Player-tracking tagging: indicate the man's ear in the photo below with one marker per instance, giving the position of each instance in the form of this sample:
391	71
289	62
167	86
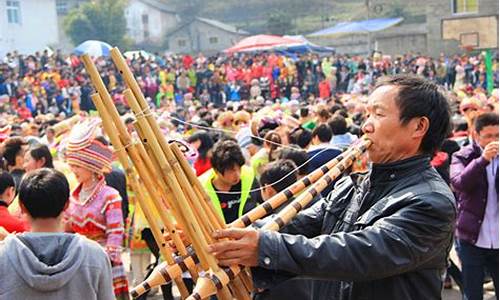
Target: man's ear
421	126
66	205
23	208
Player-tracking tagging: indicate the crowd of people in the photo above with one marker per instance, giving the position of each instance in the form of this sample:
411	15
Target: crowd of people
257	122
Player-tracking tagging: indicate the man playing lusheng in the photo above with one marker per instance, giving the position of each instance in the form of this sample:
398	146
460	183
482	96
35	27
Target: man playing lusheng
381	235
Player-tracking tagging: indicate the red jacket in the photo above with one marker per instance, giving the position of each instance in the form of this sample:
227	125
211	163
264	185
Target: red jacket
9	222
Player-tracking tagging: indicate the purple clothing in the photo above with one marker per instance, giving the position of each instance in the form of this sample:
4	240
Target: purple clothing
470	184
488	235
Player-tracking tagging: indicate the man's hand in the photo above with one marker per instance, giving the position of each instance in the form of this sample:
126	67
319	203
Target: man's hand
490	151
242	249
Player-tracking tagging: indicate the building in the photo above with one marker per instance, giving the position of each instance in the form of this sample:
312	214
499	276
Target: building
148	21
203	35
434	26
18	19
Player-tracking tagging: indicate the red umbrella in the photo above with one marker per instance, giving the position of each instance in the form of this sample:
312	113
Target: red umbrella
260	42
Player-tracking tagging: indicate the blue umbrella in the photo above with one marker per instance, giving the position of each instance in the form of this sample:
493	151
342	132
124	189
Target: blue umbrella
93	48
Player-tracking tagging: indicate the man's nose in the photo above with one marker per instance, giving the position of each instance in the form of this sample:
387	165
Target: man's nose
367	127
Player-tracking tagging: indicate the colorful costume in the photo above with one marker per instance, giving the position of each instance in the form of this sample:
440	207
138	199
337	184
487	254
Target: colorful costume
99	216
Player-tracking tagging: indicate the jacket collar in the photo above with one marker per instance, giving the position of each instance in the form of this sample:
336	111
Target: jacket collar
382	173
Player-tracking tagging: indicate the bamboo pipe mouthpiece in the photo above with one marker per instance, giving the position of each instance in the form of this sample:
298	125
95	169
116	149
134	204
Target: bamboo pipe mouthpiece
158	277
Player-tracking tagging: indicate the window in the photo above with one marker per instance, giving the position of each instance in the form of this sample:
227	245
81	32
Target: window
145	19
213	40
13	12
181	43
146	34
465	6
62	7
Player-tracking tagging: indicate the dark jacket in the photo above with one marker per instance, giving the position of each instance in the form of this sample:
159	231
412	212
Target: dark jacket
470	184
381	235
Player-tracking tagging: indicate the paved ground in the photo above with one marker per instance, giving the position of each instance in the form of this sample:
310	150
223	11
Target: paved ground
453	294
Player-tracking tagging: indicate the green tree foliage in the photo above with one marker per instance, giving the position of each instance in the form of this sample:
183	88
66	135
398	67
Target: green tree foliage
102	20
279	23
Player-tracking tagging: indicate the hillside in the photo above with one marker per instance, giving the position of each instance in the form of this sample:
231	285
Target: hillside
298	16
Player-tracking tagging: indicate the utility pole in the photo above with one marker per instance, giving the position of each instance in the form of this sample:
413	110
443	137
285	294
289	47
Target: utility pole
369	36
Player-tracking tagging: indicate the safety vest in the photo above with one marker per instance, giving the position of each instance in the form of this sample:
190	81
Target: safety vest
247	177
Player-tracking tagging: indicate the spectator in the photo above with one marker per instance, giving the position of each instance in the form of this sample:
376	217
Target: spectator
48	263
474	177
7	194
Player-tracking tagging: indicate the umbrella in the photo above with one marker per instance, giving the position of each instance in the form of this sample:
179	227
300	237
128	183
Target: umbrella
260	42
93	48
137	53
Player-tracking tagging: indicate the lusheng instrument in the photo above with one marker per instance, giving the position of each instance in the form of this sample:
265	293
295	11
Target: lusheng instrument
321	178
172	197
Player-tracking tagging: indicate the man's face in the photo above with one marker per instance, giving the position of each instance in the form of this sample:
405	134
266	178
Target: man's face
392	141
231	176
487	135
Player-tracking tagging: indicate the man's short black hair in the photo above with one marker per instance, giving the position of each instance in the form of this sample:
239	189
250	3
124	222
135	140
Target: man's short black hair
300	136
226	154
6	181
338	124
44	193
279	174
298	156
323	132
486	119
419	97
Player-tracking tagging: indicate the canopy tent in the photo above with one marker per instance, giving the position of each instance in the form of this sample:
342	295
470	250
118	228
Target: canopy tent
260	42
303	46
357	27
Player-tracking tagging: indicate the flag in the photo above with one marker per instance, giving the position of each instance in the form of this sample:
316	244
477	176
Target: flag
489	71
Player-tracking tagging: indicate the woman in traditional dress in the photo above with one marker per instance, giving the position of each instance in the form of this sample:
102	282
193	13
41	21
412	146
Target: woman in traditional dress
95	208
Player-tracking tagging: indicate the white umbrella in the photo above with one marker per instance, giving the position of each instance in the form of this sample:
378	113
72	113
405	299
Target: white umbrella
93	48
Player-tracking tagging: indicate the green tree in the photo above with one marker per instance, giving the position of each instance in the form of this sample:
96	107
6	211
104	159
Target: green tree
279	23
102	20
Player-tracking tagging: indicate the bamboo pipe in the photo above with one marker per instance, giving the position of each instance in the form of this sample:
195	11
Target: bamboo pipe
144	109
120	63
109	128
147	210
106	98
282	197
202	194
236	285
126	140
65	125
289	212
295	188
191	225
205	288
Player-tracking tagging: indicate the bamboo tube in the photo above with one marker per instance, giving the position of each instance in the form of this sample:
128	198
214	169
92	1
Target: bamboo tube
106	99
65	125
277	200
191	224
293	208
205	288
170	169
211	214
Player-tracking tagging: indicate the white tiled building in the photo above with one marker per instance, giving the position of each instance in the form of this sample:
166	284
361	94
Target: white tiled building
27	25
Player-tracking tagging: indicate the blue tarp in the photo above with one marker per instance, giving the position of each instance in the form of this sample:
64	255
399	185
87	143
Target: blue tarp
366	26
303	46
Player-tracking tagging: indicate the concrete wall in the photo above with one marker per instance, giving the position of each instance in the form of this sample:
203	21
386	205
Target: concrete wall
159	22
37	29
197	36
438	10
